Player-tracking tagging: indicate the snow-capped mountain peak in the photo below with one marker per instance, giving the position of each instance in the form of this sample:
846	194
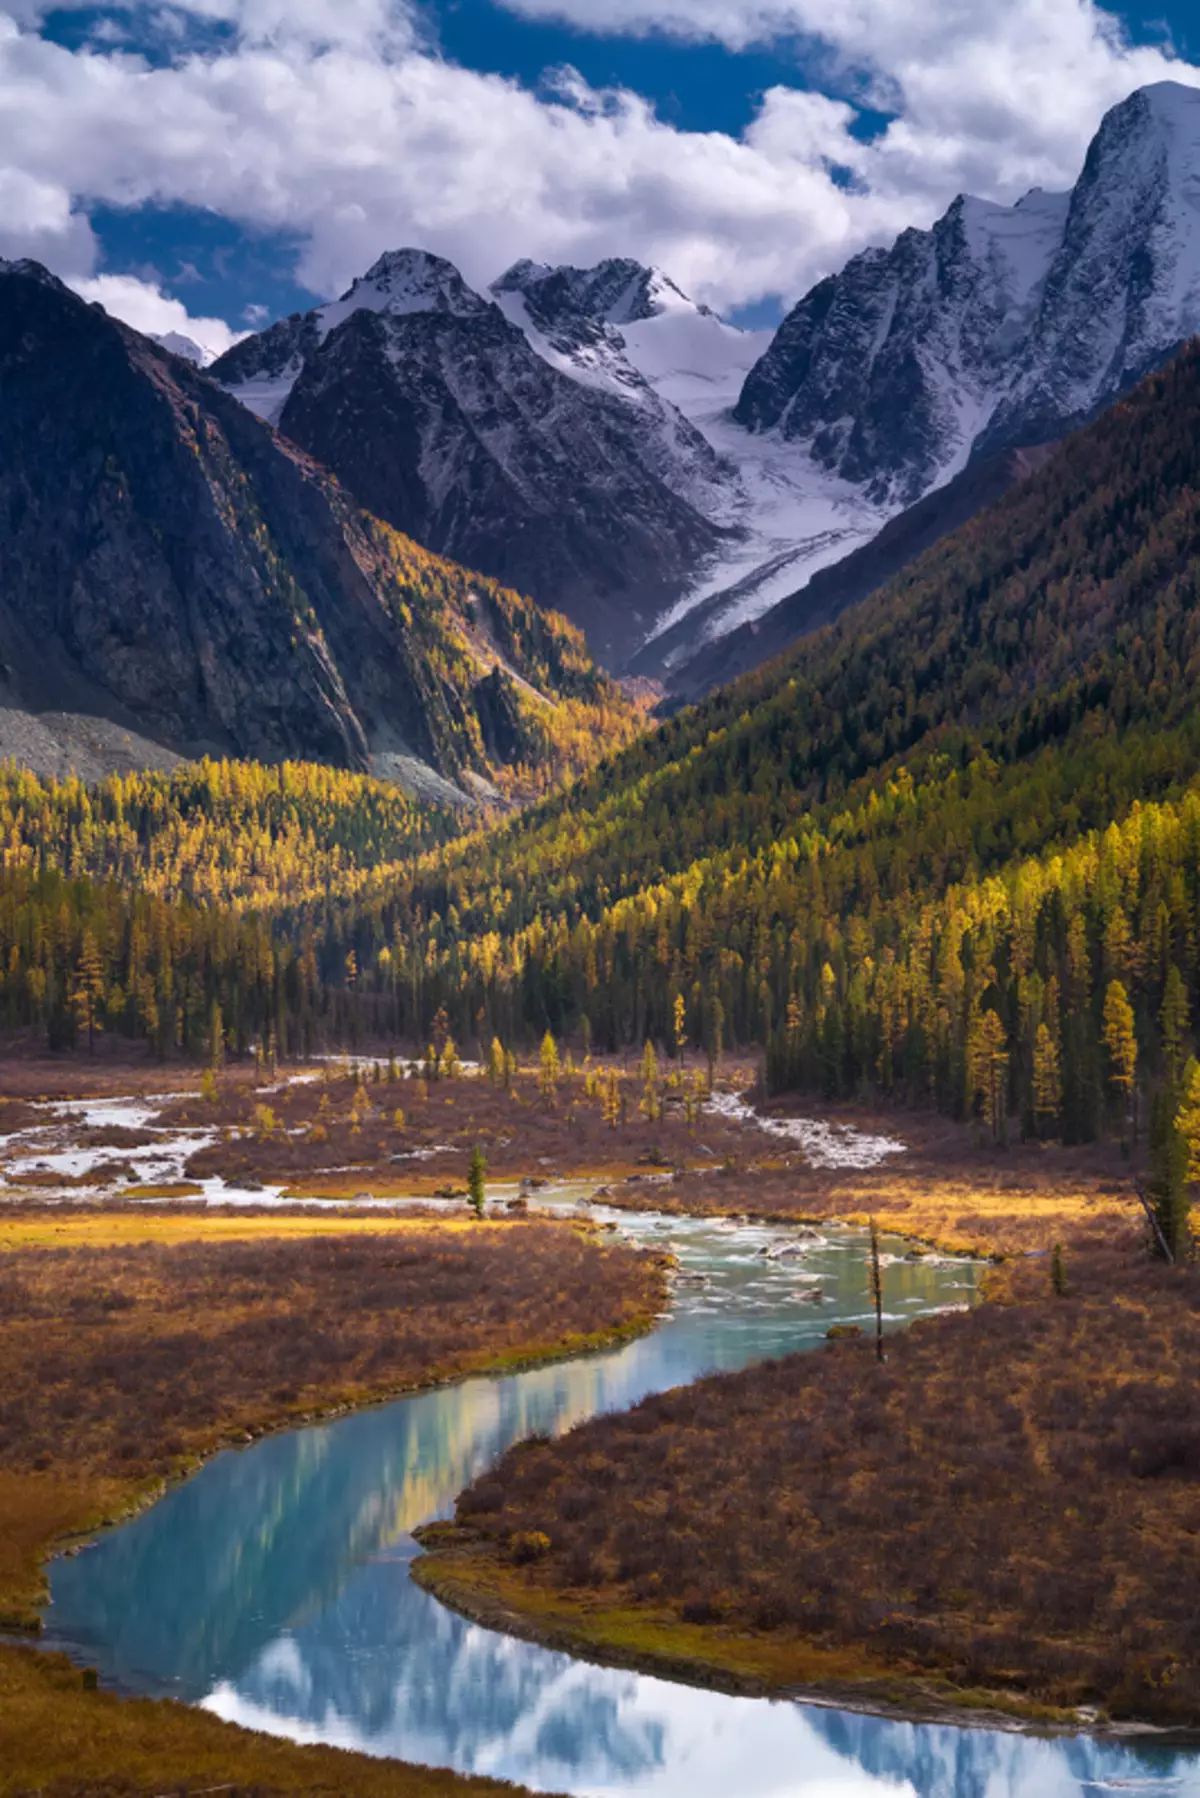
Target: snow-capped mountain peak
1124	286
402	282
617	291
187	347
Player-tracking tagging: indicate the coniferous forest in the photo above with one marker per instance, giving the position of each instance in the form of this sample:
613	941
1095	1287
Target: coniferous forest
947	850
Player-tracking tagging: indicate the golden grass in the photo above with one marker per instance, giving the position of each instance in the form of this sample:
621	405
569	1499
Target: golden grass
133	1344
57	1734
971	1219
114	1229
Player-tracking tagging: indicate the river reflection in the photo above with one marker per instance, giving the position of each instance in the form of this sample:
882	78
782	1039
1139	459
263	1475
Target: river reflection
274	1586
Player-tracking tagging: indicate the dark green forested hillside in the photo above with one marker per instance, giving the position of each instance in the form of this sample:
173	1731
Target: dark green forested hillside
831	856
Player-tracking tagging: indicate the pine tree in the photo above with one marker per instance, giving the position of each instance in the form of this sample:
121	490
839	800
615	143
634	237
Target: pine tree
1047	1080
87	995
1170	1162
714	1034
476	1181
1174	1021
1120	1040
1187	1117
549	1069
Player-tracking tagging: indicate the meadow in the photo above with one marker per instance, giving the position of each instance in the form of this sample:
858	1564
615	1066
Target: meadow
1004	1512
134	1343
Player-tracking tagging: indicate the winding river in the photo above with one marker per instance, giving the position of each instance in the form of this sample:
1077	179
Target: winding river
273	1588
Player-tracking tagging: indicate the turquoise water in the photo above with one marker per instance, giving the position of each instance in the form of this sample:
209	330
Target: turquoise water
273	1588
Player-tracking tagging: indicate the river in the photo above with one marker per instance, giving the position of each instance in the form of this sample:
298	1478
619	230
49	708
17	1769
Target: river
273	1588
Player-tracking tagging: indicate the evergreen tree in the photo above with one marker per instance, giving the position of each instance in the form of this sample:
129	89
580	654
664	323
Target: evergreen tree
476	1181
1047	1080
1120	1041
549	1069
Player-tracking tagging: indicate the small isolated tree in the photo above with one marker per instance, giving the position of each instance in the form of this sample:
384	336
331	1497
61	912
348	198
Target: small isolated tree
1120	1041
451	1066
612	1101
877	1291
1058	1271
496	1063
477	1181
549	1070
208	1087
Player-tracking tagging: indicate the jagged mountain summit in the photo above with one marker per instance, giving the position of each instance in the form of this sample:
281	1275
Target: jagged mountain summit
434	410
177	578
1001	326
595	436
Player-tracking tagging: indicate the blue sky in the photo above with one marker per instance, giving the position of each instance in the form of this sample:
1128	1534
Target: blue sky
231	160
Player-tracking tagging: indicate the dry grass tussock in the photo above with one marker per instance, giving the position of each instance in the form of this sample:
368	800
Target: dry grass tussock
1012	1501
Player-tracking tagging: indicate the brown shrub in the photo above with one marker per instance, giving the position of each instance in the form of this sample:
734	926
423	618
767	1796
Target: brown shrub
1013	1498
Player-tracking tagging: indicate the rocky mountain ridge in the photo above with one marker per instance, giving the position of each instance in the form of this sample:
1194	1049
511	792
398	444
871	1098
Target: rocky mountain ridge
173	570
1002	326
435	412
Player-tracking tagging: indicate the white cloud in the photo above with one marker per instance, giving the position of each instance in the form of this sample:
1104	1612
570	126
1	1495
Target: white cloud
147	308
326	119
38	219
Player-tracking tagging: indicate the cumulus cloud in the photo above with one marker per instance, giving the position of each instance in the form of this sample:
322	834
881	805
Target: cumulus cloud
147	308
328	120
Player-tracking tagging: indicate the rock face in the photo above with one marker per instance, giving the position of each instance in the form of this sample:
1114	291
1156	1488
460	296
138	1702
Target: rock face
170	565
433	409
584	323
1001	326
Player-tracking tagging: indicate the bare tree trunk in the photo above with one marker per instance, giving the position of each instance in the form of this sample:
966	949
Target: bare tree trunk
877	1291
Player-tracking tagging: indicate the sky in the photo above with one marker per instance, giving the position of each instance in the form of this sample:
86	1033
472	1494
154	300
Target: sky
209	166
